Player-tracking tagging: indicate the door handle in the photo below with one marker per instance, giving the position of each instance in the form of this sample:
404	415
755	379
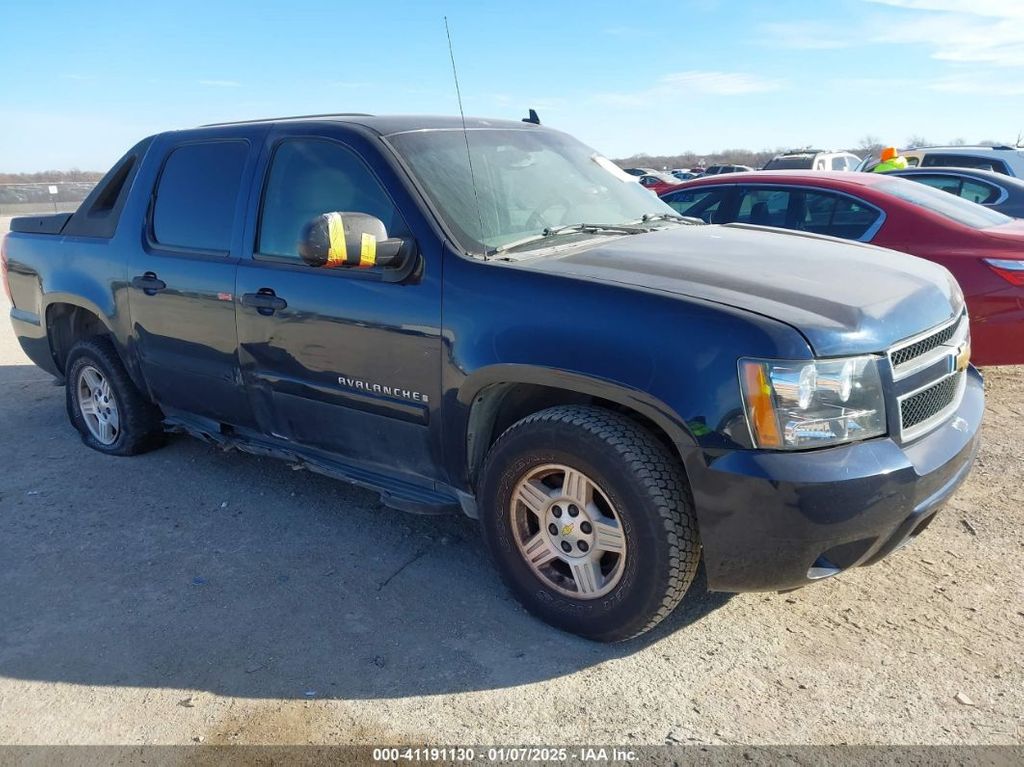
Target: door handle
148	283
264	301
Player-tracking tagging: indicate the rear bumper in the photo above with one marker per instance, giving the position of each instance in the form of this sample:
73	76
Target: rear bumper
774	521
31	335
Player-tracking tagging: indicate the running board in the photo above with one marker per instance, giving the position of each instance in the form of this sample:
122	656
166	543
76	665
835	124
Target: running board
396	493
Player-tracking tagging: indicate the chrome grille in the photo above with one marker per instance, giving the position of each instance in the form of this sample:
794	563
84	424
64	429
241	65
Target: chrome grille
927	370
919	408
925	345
920	351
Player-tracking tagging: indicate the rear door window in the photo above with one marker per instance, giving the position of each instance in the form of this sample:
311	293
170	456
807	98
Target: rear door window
764	206
197	196
837	216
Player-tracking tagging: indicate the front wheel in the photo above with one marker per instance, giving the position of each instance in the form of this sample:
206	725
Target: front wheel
590	521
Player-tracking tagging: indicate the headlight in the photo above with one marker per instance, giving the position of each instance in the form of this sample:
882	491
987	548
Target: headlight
804	404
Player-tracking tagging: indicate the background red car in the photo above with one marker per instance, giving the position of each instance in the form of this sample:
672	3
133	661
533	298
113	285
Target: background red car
659	183
982	248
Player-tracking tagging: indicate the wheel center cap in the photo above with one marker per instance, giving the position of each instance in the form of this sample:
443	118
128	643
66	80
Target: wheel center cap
569	528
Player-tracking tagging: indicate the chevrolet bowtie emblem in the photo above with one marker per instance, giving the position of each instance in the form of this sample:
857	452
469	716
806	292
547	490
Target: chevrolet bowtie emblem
963	357
566	529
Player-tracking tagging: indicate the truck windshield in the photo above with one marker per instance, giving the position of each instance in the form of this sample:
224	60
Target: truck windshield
797	162
527	181
945	204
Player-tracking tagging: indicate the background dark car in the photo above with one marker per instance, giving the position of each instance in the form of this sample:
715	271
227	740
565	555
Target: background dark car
985	187
639	171
685	175
717	170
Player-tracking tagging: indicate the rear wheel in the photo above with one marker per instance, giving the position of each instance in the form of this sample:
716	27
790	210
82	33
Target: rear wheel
110	413
590	522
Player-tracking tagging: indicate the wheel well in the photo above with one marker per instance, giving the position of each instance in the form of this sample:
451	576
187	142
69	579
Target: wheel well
66	325
500	405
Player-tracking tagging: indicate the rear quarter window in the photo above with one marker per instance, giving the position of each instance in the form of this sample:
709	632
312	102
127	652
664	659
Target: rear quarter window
979	162
197	195
100	212
980	192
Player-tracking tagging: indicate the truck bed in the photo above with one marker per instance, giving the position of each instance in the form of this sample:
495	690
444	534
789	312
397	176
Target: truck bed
50	224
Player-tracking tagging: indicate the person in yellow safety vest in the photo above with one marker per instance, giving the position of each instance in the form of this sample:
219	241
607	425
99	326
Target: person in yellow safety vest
891	160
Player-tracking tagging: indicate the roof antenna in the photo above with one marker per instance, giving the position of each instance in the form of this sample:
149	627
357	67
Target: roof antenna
532	118
465	133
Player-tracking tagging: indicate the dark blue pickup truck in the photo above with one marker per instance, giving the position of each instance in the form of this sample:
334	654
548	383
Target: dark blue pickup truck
492	317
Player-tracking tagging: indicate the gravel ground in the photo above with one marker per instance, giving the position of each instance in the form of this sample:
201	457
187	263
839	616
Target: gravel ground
191	595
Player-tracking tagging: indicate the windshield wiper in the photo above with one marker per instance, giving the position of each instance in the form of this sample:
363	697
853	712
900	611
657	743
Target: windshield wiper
649	217
553	231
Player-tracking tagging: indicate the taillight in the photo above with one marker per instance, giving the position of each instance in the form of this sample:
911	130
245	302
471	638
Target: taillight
3	269
1009	269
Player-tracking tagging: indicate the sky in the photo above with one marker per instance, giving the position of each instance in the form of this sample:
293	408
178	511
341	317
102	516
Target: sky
80	82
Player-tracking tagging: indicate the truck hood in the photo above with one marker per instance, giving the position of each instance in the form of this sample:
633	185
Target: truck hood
844	297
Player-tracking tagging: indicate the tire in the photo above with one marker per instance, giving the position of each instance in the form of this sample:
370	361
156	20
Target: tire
97	381
638	501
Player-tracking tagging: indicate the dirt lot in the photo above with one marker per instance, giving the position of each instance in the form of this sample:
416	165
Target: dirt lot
190	595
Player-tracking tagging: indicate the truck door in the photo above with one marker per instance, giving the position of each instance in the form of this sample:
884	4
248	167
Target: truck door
339	360
181	277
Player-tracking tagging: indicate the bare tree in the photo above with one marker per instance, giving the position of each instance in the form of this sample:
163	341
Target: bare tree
870	146
50	176
690	159
917	140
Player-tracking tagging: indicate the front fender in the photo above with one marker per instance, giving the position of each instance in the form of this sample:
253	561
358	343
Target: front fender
634	399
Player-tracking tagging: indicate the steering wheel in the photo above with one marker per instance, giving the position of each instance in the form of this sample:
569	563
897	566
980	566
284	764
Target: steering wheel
536	218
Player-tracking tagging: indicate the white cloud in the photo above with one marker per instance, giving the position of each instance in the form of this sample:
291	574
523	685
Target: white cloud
991	8
978	86
221	83
989	32
719	83
805	36
685	84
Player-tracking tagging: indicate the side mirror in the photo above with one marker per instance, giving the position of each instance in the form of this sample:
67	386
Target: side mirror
356	240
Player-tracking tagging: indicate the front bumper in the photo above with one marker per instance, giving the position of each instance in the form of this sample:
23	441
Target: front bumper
774	520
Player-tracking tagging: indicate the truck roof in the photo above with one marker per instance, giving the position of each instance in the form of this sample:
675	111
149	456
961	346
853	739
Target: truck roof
389	124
